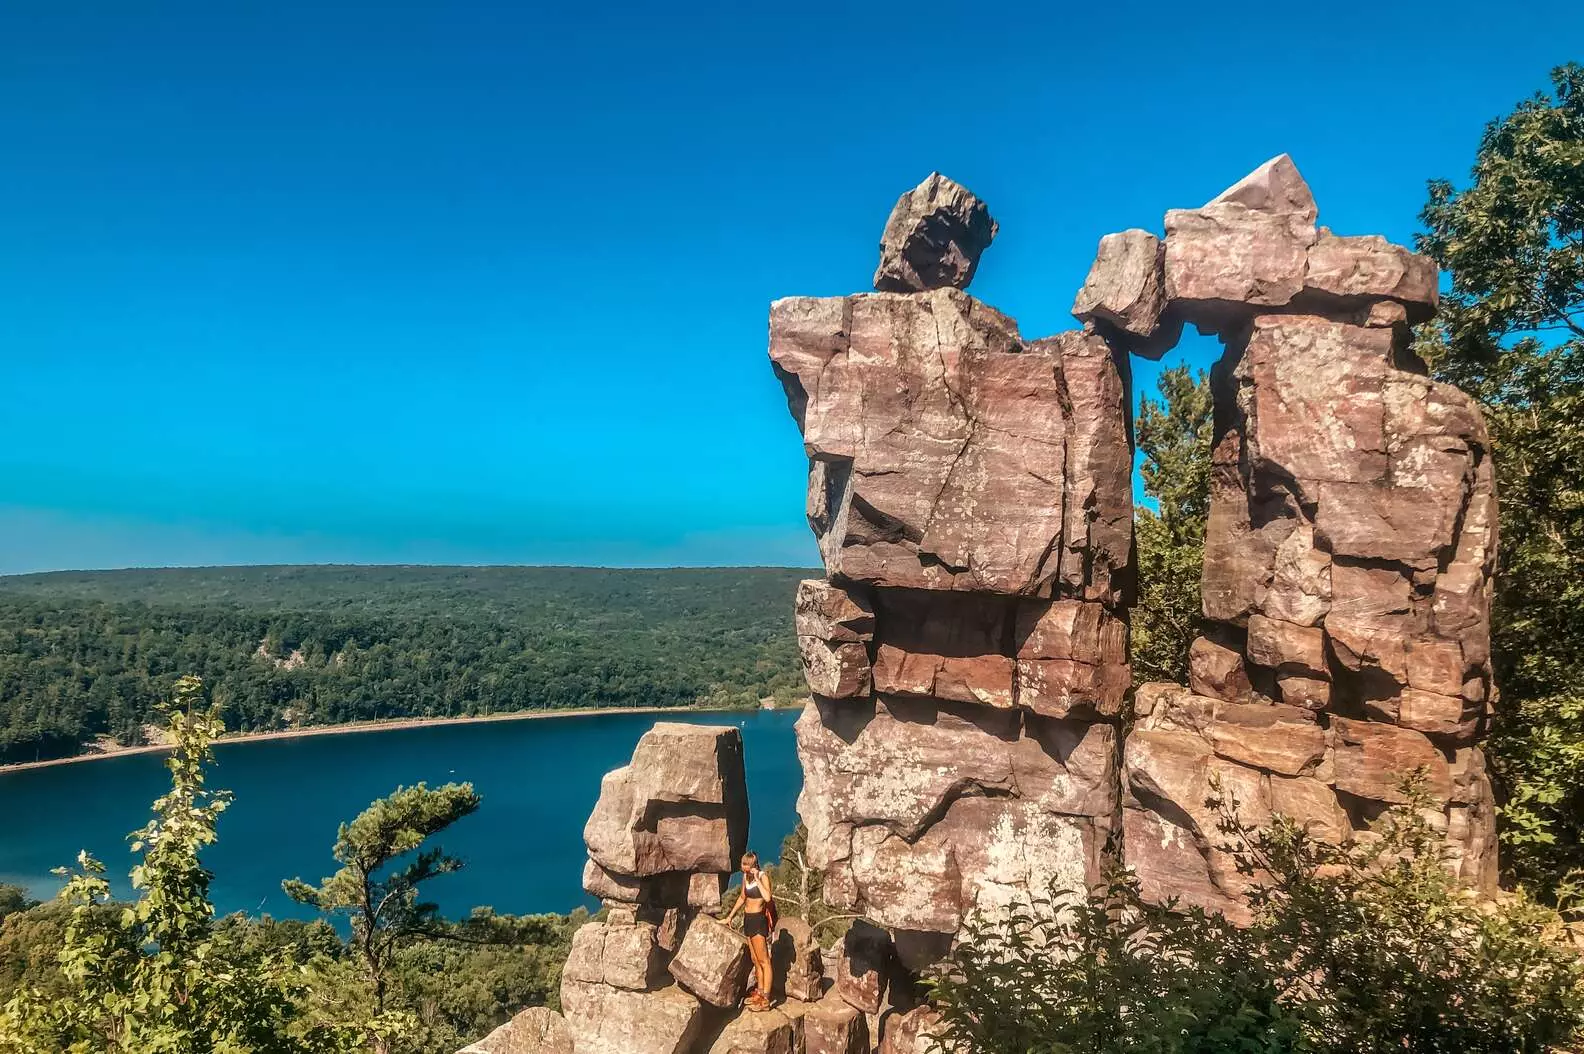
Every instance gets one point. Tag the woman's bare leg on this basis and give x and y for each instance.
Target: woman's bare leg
(760, 954)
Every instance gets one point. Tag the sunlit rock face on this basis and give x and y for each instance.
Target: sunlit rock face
(970, 490)
(1349, 553)
(972, 496)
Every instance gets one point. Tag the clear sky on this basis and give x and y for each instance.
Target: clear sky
(486, 282)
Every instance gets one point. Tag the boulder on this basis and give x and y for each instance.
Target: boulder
(919, 1031)
(536, 1030)
(934, 238)
(1355, 272)
(623, 956)
(798, 967)
(1126, 286)
(712, 962)
(606, 1020)
(1246, 248)
(761, 1032)
(680, 806)
(864, 968)
(942, 456)
(1217, 670)
(834, 1026)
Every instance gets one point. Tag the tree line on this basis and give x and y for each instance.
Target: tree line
(85, 655)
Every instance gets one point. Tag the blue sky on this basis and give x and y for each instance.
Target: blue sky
(486, 283)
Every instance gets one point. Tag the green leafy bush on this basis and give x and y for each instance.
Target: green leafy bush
(1359, 949)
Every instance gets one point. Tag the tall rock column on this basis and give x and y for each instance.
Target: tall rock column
(971, 495)
(666, 833)
(1349, 550)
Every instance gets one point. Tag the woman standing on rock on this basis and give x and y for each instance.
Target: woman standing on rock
(757, 902)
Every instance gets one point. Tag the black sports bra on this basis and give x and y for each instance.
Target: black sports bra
(751, 889)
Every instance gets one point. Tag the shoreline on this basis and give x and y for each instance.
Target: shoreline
(386, 725)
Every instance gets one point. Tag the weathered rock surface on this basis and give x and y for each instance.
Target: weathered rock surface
(971, 494)
(934, 238)
(712, 962)
(834, 1026)
(765, 1032)
(536, 1030)
(942, 456)
(799, 969)
(625, 956)
(1348, 554)
(607, 1020)
(1124, 286)
(916, 1032)
(676, 815)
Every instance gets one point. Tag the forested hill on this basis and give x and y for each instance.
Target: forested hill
(88, 654)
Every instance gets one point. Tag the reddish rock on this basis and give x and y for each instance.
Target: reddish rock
(832, 613)
(919, 1031)
(712, 962)
(864, 968)
(606, 1020)
(799, 968)
(1286, 647)
(835, 670)
(1097, 547)
(933, 238)
(1373, 760)
(1126, 284)
(695, 772)
(834, 1026)
(1246, 248)
(1344, 272)
(1217, 671)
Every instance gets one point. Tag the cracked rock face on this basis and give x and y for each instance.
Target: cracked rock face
(1348, 556)
(972, 496)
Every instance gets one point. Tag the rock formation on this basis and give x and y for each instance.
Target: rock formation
(666, 832)
(970, 491)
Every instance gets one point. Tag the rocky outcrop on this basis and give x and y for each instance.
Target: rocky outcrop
(971, 494)
(664, 835)
(1348, 555)
(970, 491)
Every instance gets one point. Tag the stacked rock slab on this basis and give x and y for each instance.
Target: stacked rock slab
(1349, 549)
(971, 494)
(666, 832)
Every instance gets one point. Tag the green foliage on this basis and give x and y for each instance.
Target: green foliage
(379, 891)
(800, 891)
(1368, 948)
(14, 899)
(88, 654)
(150, 977)
(1174, 435)
(1511, 332)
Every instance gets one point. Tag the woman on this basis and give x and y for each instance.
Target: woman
(757, 902)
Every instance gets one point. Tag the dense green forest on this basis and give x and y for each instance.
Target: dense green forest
(88, 654)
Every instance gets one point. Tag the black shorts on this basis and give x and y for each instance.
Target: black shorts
(755, 924)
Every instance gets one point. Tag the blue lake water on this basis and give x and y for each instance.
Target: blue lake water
(524, 847)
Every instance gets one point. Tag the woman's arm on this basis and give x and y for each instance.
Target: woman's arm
(733, 912)
(764, 885)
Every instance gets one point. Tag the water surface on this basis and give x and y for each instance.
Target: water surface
(524, 847)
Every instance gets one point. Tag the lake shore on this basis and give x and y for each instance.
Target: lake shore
(390, 725)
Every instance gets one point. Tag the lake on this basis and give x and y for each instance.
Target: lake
(524, 847)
